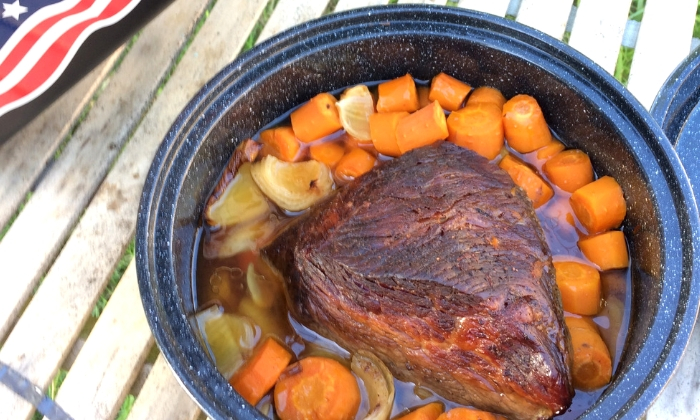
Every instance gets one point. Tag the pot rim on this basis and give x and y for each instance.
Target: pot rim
(167, 317)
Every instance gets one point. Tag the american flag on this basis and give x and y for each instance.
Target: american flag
(38, 39)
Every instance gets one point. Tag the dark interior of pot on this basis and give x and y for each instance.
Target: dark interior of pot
(584, 106)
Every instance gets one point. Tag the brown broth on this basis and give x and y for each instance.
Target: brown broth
(556, 219)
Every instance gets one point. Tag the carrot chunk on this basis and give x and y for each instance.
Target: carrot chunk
(550, 150)
(354, 163)
(329, 152)
(592, 367)
(281, 143)
(486, 94)
(579, 285)
(600, 205)
(607, 250)
(316, 118)
(524, 124)
(569, 170)
(397, 95)
(427, 412)
(448, 91)
(382, 128)
(478, 127)
(317, 388)
(463, 413)
(258, 375)
(423, 127)
(536, 188)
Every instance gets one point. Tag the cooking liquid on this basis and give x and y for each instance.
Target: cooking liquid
(561, 231)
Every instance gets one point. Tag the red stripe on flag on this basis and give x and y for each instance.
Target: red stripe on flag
(55, 55)
(28, 41)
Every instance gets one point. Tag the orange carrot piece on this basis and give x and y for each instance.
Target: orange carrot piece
(316, 118)
(422, 128)
(317, 388)
(382, 128)
(592, 366)
(536, 188)
(550, 150)
(448, 91)
(579, 285)
(258, 375)
(423, 94)
(427, 412)
(354, 164)
(329, 152)
(607, 250)
(524, 124)
(569, 170)
(397, 95)
(463, 413)
(486, 94)
(281, 143)
(478, 127)
(600, 205)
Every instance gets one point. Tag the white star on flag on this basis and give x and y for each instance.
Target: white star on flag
(13, 10)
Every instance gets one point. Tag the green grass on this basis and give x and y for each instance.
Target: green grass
(114, 279)
(330, 7)
(126, 407)
(260, 24)
(9, 223)
(452, 3)
(52, 391)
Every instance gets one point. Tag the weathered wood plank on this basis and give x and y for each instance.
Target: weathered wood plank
(663, 42)
(494, 7)
(52, 320)
(548, 16)
(24, 156)
(599, 35)
(162, 397)
(354, 4)
(43, 226)
(109, 361)
(290, 12)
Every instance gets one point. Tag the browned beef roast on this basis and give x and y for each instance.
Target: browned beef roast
(437, 263)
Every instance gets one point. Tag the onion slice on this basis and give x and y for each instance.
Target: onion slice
(379, 384)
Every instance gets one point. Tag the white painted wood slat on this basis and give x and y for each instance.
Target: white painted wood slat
(290, 12)
(24, 156)
(354, 4)
(494, 7)
(43, 226)
(663, 42)
(47, 329)
(437, 2)
(162, 397)
(109, 361)
(599, 35)
(548, 16)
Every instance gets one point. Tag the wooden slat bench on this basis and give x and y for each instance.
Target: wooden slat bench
(77, 172)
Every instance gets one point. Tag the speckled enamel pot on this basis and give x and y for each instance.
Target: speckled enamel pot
(585, 106)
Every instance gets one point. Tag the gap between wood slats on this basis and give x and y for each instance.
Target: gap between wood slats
(289, 13)
(39, 342)
(663, 42)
